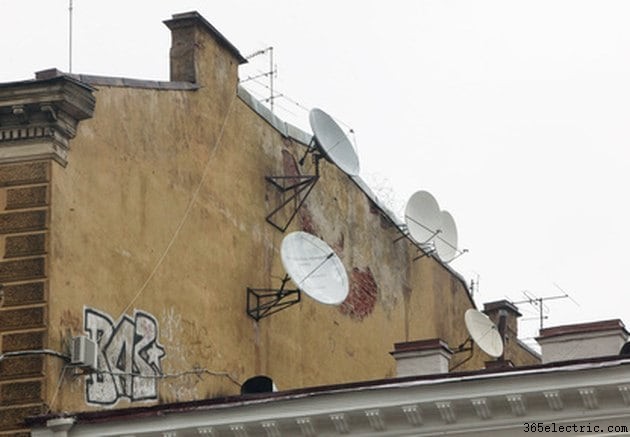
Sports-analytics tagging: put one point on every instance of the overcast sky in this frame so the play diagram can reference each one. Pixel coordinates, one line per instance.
(513, 114)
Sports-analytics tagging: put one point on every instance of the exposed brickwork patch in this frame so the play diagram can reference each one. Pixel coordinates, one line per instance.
(23, 318)
(22, 221)
(25, 245)
(23, 294)
(13, 418)
(28, 197)
(340, 244)
(385, 223)
(362, 296)
(24, 173)
(289, 165)
(22, 341)
(21, 270)
(16, 393)
(306, 221)
(21, 367)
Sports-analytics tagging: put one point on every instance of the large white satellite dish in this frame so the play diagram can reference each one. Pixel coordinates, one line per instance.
(422, 216)
(314, 268)
(484, 332)
(446, 241)
(334, 142)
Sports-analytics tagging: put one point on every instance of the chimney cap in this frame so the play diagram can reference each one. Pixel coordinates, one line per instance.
(501, 305)
(583, 328)
(421, 345)
(185, 19)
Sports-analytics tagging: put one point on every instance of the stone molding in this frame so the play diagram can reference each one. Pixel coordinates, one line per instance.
(38, 118)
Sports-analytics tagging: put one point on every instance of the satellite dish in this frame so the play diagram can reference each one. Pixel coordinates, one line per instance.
(334, 142)
(446, 241)
(422, 216)
(484, 332)
(314, 268)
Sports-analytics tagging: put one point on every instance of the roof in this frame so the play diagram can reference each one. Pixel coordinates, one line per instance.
(499, 397)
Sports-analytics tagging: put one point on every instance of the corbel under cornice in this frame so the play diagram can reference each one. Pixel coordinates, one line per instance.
(38, 118)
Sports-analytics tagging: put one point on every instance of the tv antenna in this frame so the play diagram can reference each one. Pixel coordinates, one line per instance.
(70, 8)
(313, 266)
(539, 302)
(329, 141)
(269, 74)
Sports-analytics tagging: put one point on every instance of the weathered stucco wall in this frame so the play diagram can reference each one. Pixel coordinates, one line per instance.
(158, 227)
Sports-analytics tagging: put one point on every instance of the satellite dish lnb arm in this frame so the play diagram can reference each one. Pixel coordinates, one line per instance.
(311, 146)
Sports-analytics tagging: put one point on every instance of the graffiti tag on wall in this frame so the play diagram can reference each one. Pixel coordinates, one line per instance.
(129, 356)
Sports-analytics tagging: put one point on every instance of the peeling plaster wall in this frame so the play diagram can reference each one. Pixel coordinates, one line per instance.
(125, 236)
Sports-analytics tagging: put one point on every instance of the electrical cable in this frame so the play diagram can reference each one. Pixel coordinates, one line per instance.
(34, 352)
(186, 212)
(62, 376)
(172, 375)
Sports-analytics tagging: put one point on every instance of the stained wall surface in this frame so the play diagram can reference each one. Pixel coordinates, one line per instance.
(157, 227)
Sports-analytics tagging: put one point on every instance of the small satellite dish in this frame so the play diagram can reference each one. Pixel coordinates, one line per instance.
(334, 142)
(422, 216)
(484, 332)
(446, 240)
(314, 268)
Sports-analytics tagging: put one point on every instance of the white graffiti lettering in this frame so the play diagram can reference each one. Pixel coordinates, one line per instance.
(129, 356)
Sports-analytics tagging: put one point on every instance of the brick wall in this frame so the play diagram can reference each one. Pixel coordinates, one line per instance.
(24, 210)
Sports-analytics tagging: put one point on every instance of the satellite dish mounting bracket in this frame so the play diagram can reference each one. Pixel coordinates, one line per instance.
(467, 346)
(263, 302)
(312, 146)
(295, 190)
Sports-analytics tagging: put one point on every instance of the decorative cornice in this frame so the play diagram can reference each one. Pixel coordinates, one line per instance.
(446, 411)
(482, 408)
(413, 413)
(375, 418)
(593, 394)
(38, 118)
(517, 404)
(306, 426)
(554, 399)
(341, 423)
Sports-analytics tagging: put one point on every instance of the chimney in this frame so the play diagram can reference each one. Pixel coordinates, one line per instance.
(583, 340)
(200, 53)
(505, 315)
(424, 357)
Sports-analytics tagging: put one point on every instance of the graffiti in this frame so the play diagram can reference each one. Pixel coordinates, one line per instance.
(129, 357)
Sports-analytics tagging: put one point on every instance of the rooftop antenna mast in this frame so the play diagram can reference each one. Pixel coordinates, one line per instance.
(69, 36)
(539, 301)
(273, 70)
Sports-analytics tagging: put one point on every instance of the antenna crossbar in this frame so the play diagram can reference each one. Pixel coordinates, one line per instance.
(539, 302)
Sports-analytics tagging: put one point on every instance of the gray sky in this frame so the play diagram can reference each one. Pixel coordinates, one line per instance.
(513, 114)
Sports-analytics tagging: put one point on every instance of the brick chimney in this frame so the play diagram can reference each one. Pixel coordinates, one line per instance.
(582, 340)
(200, 53)
(505, 315)
(424, 357)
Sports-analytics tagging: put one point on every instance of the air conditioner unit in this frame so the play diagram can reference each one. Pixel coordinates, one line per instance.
(84, 352)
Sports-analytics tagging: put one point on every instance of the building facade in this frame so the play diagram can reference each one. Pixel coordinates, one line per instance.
(136, 213)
